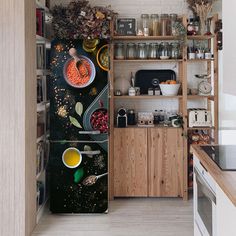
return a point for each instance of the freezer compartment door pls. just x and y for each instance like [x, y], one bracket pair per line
[78, 177]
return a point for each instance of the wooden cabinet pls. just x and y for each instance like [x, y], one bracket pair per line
[130, 162]
[148, 162]
[165, 162]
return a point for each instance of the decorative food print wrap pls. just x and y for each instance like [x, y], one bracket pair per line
[78, 163]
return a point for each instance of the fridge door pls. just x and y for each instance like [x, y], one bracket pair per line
[81, 189]
[79, 107]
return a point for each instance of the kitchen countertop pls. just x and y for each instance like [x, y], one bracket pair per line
[225, 179]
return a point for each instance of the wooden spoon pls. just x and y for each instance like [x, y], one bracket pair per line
[78, 62]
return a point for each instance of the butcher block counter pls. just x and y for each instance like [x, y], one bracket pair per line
[225, 179]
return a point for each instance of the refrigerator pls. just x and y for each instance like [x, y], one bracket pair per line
[78, 161]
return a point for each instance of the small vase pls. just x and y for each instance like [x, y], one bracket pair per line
[122, 84]
[203, 26]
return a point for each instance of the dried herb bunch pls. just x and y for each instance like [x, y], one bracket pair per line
[192, 4]
[78, 20]
[201, 8]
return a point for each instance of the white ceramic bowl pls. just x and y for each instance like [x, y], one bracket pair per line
[169, 89]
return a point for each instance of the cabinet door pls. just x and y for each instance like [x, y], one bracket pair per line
[165, 162]
[130, 162]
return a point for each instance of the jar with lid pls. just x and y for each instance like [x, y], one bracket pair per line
[175, 50]
[142, 51]
[190, 27]
[131, 51]
[165, 23]
[162, 116]
[153, 51]
[156, 117]
[131, 117]
[145, 24]
[196, 25]
[119, 51]
[155, 24]
[164, 50]
[173, 19]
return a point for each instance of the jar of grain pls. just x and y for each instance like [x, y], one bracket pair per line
[165, 25]
[155, 24]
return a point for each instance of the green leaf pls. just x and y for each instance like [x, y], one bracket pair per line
[78, 175]
[75, 122]
[79, 108]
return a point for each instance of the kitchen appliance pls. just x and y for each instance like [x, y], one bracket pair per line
[223, 156]
[145, 119]
[199, 118]
[204, 201]
[146, 79]
[204, 88]
[121, 119]
[79, 130]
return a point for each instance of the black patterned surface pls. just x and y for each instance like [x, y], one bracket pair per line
[68, 195]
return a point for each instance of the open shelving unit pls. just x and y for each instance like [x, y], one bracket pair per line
[211, 101]
[42, 114]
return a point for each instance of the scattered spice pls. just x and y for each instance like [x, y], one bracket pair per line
[90, 180]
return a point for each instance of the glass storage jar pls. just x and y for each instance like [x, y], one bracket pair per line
[153, 51]
[173, 19]
[165, 24]
[145, 24]
[164, 50]
[119, 51]
[142, 51]
[131, 51]
[175, 50]
[155, 24]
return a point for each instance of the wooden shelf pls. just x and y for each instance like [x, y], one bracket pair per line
[40, 210]
[201, 128]
[117, 37]
[39, 139]
[41, 39]
[147, 97]
[200, 60]
[195, 97]
[41, 107]
[40, 6]
[40, 173]
[149, 60]
[200, 37]
[41, 72]
[139, 127]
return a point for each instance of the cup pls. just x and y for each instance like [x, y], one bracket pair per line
[208, 55]
[137, 91]
[71, 158]
[191, 55]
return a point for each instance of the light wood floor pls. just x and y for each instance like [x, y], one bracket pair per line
[127, 217]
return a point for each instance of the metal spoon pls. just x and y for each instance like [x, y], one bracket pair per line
[78, 61]
[92, 179]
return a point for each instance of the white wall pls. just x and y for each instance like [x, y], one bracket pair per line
[134, 8]
[227, 102]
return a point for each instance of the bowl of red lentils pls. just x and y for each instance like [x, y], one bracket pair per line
[81, 78]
